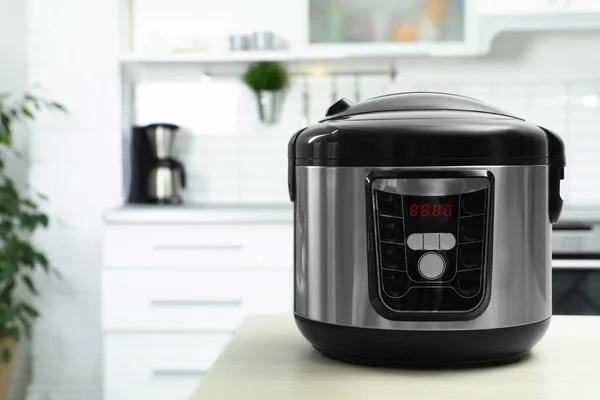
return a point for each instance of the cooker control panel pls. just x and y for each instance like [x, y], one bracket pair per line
[431, 244]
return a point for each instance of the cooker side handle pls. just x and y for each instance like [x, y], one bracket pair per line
[556, 161]
[555, 202]
[292, 165]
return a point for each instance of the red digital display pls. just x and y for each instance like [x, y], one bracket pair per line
[430, 210]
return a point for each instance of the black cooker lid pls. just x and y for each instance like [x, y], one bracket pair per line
[423, 129]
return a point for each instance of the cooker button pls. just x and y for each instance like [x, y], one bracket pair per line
[471, 229]
[431, 265]
[469, 256]
[389, 204]
[473, 203]
[447, 241]
[431, 241]
[469, 283]
[392, 256]
[415, 241]
[395, 284]
[391, 230]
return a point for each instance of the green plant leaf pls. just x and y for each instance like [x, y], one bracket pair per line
[33, 100]
[10, 187]
[30, 285]
[57, 106]
[7, 292]
[14, 333]
[5, 355]
[30, 204]
[30, 310]
[19, 216]
[31, 222]
[26, 222]
[42, 219]
[6, 227]
[42, 260]
[6, 315]
[8, 201]
[26, 253]
[7, 270]
[266, 76]
[5, 129]
[27, 112]
[5, 122]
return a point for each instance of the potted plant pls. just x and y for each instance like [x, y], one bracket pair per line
[268, 80]
[19, 259]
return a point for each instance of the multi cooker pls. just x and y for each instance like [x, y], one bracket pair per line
[422, 230]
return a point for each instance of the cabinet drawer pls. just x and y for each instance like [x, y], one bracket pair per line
[198, 246]
[163, 300]
[157, 366]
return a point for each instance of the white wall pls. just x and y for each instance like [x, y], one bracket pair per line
[73, 52]
[553, 79]
[13, 78]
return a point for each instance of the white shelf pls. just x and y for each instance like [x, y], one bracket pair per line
[282, 56]
[489, 27]
[229, 57]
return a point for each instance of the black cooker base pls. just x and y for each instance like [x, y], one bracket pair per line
[422, 348]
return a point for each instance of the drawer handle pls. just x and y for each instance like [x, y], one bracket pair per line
[179, 372]
[205, 247]
[176, 303]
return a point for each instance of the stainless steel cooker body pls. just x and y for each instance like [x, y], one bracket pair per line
[422, 230]
[332, 233]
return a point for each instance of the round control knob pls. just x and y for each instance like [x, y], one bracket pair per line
[431, 265]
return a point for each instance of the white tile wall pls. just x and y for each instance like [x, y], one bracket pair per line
[240, 161]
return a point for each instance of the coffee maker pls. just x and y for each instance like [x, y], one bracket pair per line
[156, 176]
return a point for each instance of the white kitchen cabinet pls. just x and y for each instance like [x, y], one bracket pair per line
[167, 301]
[583, 5]
[390, 27]
[495, 7]
[334, 30]
[158, 367]
[320, 29]
[176, 284]
[208, 245]
[537, 7]
[497, 16]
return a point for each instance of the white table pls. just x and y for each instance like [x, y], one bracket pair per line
[269, 359]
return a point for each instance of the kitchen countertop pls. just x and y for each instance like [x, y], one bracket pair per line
[255, 213]
[190, 214]
[269, 359]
